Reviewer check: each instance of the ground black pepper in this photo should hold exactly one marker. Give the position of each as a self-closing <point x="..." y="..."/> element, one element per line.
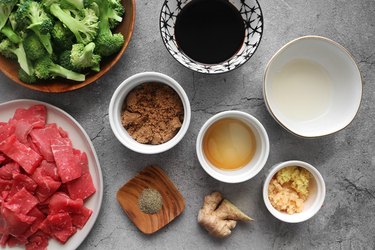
<point x="150" y="201"/>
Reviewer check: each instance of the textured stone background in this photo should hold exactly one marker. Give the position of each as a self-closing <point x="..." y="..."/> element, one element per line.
<point x="346" y="159"/>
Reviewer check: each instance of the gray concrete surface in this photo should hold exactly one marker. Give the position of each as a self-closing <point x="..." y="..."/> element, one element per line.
<point x="346" y="159"/>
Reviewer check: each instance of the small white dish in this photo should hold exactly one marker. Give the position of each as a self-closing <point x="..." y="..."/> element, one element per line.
<point x="81" y="141"/>
<point x="314" y="201"/>
<point x="116" y="104"/>
<point x="250" y="169"/>
<point x="345" y="90"/>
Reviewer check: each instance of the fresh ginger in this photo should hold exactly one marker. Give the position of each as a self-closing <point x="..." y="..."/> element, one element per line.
<point x="219" y="216"/>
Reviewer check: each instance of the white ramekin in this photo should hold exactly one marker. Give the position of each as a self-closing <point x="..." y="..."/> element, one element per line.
<point x="115" y="108"/>
<point x="311" y="205"/>
<point x="253" y="167"/>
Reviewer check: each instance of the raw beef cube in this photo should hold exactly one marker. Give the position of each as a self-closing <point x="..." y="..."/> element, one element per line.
<point x="22" y="202"/>
<point x="42" y="138"/>
<point x="22" y="130"/>
<point x="80" y="219"/>
<point x="35" y="115"/>
<point x="6" y="130"/>
<point x="5" y="185"/>
<point x="61" y="202"/>
<point x="66" y="162"/>
<point x="23" y="155"/>
<point x="31" y="144"/>
<point x="38" y="241"/>
<point x="59" y="226"/>
<point x="7" y="171"/>
<point x="16" y="224"/>
<point x="47" y="169"/>
<point x="83" y="187"/>
<point x="47" y="185"/>
<point x="22" y="181"/>
<point x="47" y="188"/>
<point x="40" y="217"/>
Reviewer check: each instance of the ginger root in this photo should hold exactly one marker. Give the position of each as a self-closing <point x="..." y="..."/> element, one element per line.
<point x="219" y="216"/>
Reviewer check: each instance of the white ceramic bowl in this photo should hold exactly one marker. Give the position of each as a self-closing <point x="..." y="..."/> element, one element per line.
<point x="314" y="201"/>
<point x="346" y="85"/>
<point x="115" y="108"/>
<point x="253" y="167"/>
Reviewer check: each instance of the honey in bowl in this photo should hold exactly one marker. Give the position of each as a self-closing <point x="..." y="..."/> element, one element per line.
<point x="229" y="144"/>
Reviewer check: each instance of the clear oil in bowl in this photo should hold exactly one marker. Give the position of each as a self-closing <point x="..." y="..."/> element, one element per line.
<point x="229" y="144"/>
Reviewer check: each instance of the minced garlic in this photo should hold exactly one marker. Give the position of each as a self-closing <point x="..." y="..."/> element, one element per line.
<point x="289" y="189"/>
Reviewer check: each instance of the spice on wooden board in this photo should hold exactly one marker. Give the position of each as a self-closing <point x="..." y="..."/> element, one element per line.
<point x="150" y="201"/>
<point x="152" y="113"/>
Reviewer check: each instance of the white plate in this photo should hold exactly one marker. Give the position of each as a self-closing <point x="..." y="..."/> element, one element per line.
<point x="81" y="141"/>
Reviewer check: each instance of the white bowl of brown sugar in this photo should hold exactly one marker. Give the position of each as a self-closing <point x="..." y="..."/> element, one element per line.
<point x="149" y="113"/>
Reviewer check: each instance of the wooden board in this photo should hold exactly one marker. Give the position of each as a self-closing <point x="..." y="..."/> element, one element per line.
<point x="173" y="202"/>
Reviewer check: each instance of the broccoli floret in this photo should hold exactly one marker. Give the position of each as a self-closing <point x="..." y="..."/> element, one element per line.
<point x="106" y="42"/>
<point x="33" y="47"/>
<point x="62" y="37"/>
<point x="10" y="34"/>
<point x="23" y="76"/>
<point x="91" y="4"/>
<point x="84" y="25"/>
<point x="66" y="4"/>
<point x="116" y="15"/>
<point x="6" y="7"/>
<point x="15" y="51"/>
<point x="45" y="68"/>
<point x="83" y="57"/>
<point x="13" y="20"/>
<point x="31" y="15"/>
<point x="64" y="61"/>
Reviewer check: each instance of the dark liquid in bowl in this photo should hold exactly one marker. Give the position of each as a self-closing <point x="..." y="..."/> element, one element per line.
<point x="209" y="31"/>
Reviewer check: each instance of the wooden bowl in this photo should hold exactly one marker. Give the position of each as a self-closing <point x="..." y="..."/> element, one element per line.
<point x="10" y="67"/>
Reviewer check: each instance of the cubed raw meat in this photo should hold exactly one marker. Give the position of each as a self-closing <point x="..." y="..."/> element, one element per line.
<point x="35" y="115"/>
<point x="22" y="202"/>
<point x="83" y="187"/>
<point x="42" y="138"/>
<point x="66" y="162"/>
<point x="79" y="219"/>
<point x="59" y="226"/>
<point x="7" y="171"/>
<point x="23" y="155"/>
<point x="61" y="202"/>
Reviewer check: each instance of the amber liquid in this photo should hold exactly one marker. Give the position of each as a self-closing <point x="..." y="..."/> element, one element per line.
<point x="229" y="144"/>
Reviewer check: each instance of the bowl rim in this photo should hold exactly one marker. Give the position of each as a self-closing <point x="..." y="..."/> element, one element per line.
<point x="264" y="153"/>
<point x="284" y="47"/>
<point x="319" y="198"/>
<point x="123" y="90"/>
<point x="98" y="75"/>
<point x="205" y="64"/>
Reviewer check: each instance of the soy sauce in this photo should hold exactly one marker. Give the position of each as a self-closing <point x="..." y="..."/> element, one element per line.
<point x="209" y="31"/>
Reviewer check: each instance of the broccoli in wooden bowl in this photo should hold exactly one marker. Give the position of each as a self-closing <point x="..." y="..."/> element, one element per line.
<point x="62" y="45"/>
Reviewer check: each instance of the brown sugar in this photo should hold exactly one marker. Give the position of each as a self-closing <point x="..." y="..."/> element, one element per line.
<point x="152" y="113"/>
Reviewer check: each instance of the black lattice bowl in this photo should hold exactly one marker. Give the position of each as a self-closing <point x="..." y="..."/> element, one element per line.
<point x="252" y="17"/>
